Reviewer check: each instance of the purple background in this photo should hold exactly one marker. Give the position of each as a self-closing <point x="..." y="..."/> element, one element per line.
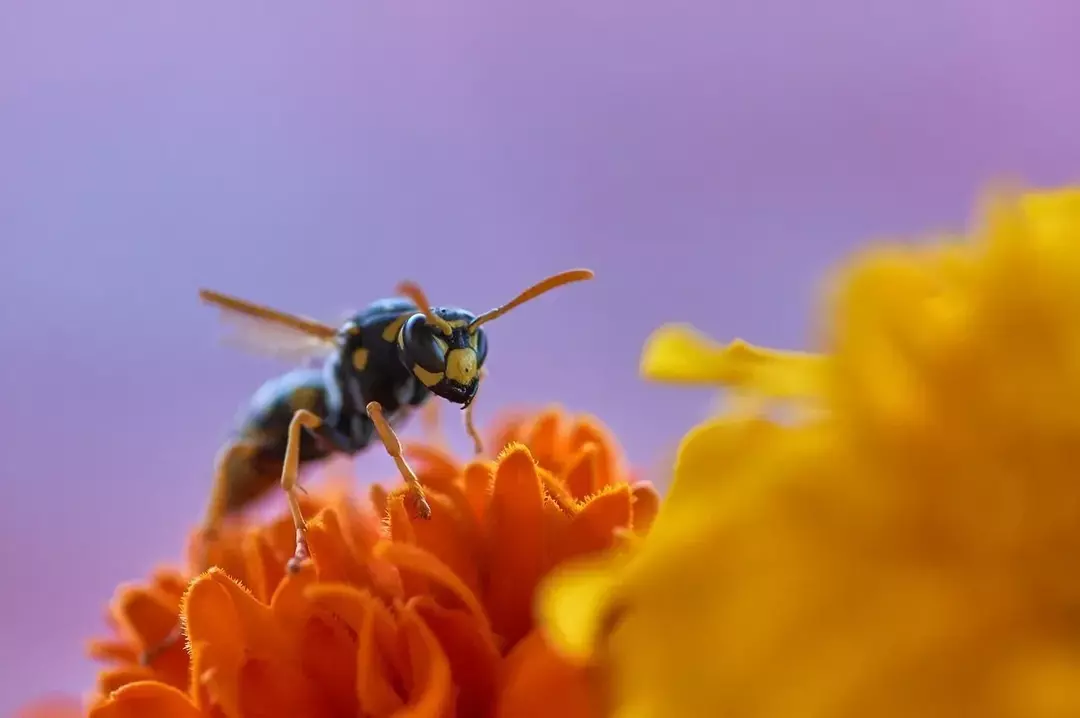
<point x="708" y="158"/>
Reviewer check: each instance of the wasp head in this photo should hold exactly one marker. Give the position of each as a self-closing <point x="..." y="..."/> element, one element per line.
<point x="446" y="357"/>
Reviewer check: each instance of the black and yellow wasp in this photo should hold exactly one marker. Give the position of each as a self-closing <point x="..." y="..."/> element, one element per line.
<point x="376" y="368"/>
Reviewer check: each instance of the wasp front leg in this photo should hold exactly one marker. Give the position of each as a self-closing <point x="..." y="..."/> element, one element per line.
<point x="393" y="447"/>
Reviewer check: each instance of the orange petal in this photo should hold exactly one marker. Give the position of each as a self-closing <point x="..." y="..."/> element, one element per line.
<point x="58" y="707"/>
<point x="508" y="429"/>
<point x="224" y="551"/>
<point x="145" y="699"/>
<point x="374" y="667"/>
<point x="436" y="468"/>
<point x="474" y="658"/>
<point x="581" y="475"/>
<point x="170" y="582"/>
<point x="451" y="538"/>
<point x="217" y="644"/>
<point x="594" y="528"/>
<point x="332" y="557"/>
<point x="361" y="531"/>
<point x="413" y="559"/>
<point x="265" y="567"/>
<point x="432" y="690"/>
<point x="477" y="479"/>
<point x="378" y="496"/>
<point x="116" y="678"/>
<point x="274" y="689"/>
<point x="557" y="491"/>
<point x="589" y="431"/>
<point x="145" y="616"/>
<point x="516" y="543"/>
<point x="106" y="651"/>
<point x="328" y="655"/>
<point x="290" y="605"/>
<point x="539" y="684"/>
<point x="646" y="504"/>
<point x="545" y="440"/>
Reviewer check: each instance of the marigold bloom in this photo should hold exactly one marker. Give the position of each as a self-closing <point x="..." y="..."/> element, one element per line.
<point x="908" y="549"/>
<point x="393" y="616"/>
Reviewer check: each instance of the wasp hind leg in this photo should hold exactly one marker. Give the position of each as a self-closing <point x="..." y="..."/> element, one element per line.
<point x="393" y="447"/>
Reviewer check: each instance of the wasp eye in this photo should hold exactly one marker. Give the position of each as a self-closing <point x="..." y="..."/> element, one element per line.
<point x="423" y="345"/>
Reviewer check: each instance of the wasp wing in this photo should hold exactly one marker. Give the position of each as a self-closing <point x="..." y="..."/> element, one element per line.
<point x="266" y="332"/>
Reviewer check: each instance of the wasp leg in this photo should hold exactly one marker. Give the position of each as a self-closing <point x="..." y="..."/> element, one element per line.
<point x="393" y="447"/>
<point x="290" y="469"/>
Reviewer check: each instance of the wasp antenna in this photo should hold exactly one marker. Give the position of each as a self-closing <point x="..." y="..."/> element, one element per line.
<point x="413" y="292"/>
<point x="541" y="287"/>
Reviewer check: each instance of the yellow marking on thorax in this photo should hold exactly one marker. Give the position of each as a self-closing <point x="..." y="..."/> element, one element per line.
<point x="461" y="365"/>
<point x="393" y="328"/>
<point x="304" y="398"/>
<point x="360" y="359"/>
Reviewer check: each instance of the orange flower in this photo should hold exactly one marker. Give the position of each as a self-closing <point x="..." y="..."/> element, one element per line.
<point x="398" y="617"/>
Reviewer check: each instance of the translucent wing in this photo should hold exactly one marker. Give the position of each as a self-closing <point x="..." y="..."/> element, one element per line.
<point x="266" y="332"/>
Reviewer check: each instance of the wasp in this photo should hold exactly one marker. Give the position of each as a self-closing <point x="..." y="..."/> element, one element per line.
<point x="378" y="367"/>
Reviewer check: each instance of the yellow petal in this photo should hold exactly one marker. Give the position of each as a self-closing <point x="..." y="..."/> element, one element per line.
<point x="680" y="354"/>
<point x="575" y="604"/>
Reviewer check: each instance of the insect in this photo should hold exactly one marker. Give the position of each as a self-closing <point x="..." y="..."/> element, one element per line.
<point x="377" y="367"/>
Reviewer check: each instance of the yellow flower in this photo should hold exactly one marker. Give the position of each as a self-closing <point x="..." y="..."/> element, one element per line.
<point x="908" y="548"/>
<point x="394" y="617"/>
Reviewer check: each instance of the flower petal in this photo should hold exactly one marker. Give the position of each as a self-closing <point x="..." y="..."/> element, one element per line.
<point x="509" y="429"/>
<point x="265" y="567"/>
<point x="145" y="616"/>
<point x="57" y="707"/>
<point x="516" y="543"/>
<point x="477" y="480"/>
<point x="116" y="678"/>
<point x="581" y="473"/>
<point x="589" y="431"/>
<point x="111" y="651"/>
<point x="413" y="559"/>
<point x="331" y="555"/>
<point x="594" y="528"/>
<point x="431" y="690"/>
<point x="436" y="468"/>
<point x="378" y="495"/>
<point x="376" y="639"/>
<point x="145" y="699"/>
<point x="539" y="683"/>
<point x="575" y="604"/>
<point x="679" y="353"/>
<point x="472" y="653"/>
<point x="545" y="438"/>
<point x="646" y="505"/>
<point x="451" y="537"/>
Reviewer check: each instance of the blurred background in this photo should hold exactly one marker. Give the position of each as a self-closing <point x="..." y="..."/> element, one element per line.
<point x="708" y="158"/>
